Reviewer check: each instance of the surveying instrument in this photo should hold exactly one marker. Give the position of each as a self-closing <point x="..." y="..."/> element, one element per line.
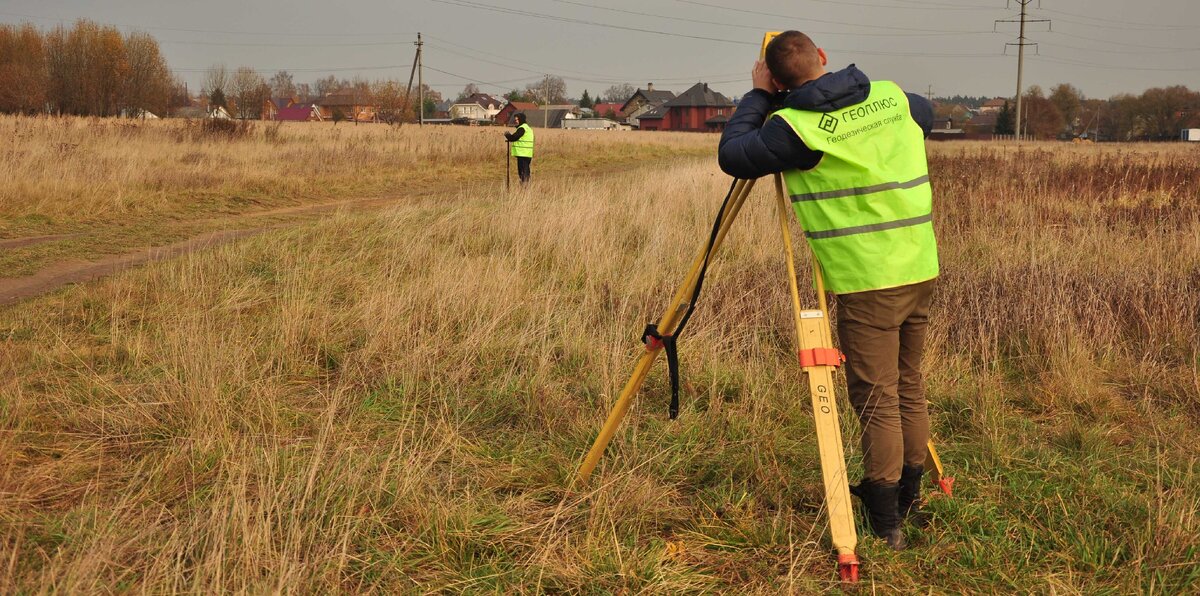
<point x="819" y="360"/>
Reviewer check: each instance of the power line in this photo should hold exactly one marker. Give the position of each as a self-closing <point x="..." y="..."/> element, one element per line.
<point x="1129" y="52"/>
<point x="1071" y="62"/>
<point x="1118" y="43"/>
<point x="759" y="27"/>
<point x="1021" y="43"/>
<point x="1123" y="24"/>
<point x="550" y="17"/>
<point x="224" y="32"/>
<point x="796" y="18"/>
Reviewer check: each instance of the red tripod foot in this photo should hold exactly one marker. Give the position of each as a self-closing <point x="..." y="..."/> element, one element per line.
<point x="848" y="568"/>
<point x="947" y="485"/>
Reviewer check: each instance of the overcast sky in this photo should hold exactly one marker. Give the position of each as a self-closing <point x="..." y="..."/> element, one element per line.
<point x="1102" y="46"/>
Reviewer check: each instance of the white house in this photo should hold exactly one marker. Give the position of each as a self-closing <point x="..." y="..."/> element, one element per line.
<point x="470" y="111"/>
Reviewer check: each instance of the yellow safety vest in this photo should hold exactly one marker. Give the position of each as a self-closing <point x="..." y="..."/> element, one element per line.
<point x="523" y="147"/>
<point x="867" y="207"/>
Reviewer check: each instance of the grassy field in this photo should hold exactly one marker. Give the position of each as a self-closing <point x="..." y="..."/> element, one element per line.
<point x="395" y="399"/>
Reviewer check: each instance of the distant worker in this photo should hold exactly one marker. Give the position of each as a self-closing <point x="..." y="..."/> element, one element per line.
<point x="852" y="154"/>
<point x="521" y="146"/>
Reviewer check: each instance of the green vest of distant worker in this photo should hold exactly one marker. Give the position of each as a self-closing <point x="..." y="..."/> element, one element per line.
<point x="523" y="147"/>
<point x="867" y="207"/>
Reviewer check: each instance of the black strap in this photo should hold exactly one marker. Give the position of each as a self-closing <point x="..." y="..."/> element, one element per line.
<point x="669" y="341"/>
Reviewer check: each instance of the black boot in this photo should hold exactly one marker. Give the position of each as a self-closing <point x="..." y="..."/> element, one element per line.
<point x="883" y="513"/>
<point x="910" y="496"/>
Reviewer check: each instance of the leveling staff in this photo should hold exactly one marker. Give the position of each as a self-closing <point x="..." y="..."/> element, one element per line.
<point x="852" y="154"/>
<point x="520" y="144"/>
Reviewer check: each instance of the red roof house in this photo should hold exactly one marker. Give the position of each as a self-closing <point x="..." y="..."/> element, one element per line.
<point x="604" y="109"/>
<point x="506" y="113"/>
<point x="303" y="112"/>
<point x="698" y="109"/>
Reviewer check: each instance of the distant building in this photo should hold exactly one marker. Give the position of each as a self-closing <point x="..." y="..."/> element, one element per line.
<point x="593" y="124"/>
<point x="440" y="111"/>
<point x="350" y="103"/>
<point x="643" y="101"/>
<point x="504" y="116"/>
<point x="468" y="111"/>
<point x="271" y="106"/>
<point x="993" y="106"/>
<point x="609" y="110"/>
<point x="651" y="119"/>
<point x="551" y="117"/>
<point x="301" y="112"/>
<point x="699" y="109"/>
<point x="646" y="97"/>
<point x="982" y="123"/>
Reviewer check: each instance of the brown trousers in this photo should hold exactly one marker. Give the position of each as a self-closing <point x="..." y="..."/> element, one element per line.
<point x="882" y="333"/>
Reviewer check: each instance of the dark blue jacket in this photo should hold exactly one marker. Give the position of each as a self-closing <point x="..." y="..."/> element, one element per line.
<point x="752" y="146"/>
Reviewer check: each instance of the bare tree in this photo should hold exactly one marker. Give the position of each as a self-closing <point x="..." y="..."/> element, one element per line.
<point x="550" y="90"/>
<point x="246" y="89"/>
<point x="469" y="90"/>
<point x="1163" y="110"/>
<point x="24" y="80"/>
<point x="619" y="93"/>
<point x="215" y="85"/>
<point x="282" y="84"/>
<point x="148" y="85"/>
<point x="1068" y="99"/>
<point x="326" y="86"/>
<point x="389" y="97"/>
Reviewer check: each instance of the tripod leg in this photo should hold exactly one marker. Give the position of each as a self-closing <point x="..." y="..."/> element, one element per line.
<point x="666" y="326"/>
<point x="814" y="337"/>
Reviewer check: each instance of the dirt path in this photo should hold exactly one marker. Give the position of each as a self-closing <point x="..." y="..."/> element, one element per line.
<point x="10" y="243"/>
<point x="16" y="289"/>
<point x="63" y="273"/>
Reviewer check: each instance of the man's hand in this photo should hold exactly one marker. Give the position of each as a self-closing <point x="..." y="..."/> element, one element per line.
<point x="762" y="78"/>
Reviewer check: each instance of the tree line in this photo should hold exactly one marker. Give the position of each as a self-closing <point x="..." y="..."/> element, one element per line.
<point x="1158" y="114"/>
<point x="88" y="70"/>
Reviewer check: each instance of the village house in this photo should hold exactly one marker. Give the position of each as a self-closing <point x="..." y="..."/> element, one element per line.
<point x="645" y="100"/>
<point x="477" y="106"/>
<point x="609" y="110"/>
<point x="299" y="112"/>
<point x="349" y="103"/>
<point x="593" y="124"/>
<point x="646" y="97"/>
<point x="506" y="113"/>
<point x="699" y="109"/>
<point x="993" y="106"/>
<point x="551" y="116"/>
<point x="272" y="105"/>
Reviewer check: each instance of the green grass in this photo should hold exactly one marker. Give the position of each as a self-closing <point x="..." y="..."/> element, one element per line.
<point x="397" y="401"/>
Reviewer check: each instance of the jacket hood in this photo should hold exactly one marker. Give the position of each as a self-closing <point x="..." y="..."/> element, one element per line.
<point x="832" y="91"/>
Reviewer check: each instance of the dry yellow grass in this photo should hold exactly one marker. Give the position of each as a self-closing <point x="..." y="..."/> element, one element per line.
<point x="396" y="401"/>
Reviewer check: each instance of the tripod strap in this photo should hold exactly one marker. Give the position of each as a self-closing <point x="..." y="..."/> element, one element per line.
<point x="654" y="339"/>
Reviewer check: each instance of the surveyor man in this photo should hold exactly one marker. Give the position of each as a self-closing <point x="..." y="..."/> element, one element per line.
<point x="520" y="143"/>
<point x="852" y="154"/>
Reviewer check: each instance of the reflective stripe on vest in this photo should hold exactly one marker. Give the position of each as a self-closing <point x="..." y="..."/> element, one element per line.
<point x="523" y="147"/>
<point x="867" y="207"/>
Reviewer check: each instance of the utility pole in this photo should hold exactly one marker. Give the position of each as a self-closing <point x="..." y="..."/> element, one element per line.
<point x="545" y="99"/>
<point x="929" y="94"/>
<point x="420" y="81"/>
<point x="1021" y="42"/>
